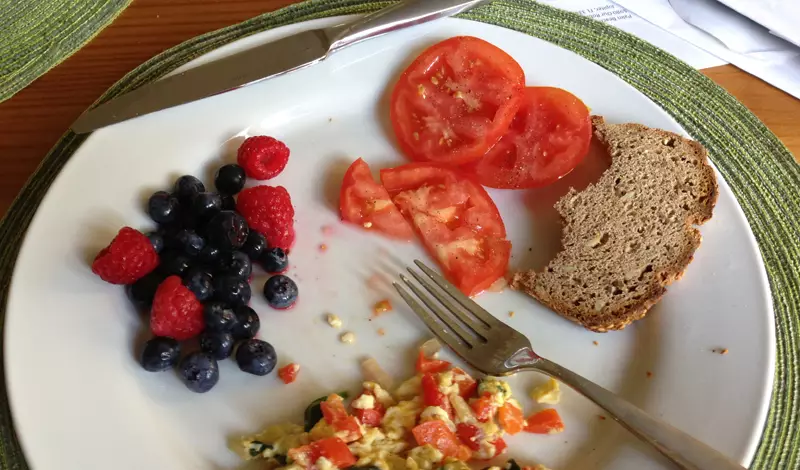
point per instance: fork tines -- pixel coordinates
(463, 326)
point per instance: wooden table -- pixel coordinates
(33, 120)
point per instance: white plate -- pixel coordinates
(80, 400)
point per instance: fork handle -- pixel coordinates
(682, 449)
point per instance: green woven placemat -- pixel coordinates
(760, 170)
(36, 35)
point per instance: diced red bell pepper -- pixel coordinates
(371, 417)
(335, 414)
(483, 407)
(510, 418)
(546, 421)
(332, 448)
(430, 366)
(439, 436)
(288, 373)
(499, 446)
(431, 395)
(468, 434)
(466, 384)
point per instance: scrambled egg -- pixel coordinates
(547, 393)
(499, 390)
(388, 442)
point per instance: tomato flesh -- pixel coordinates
(431, 395)
(439, 436)
(548, 138)
(430, 366)
(365, 203)
(332, 448)
(456, 220)
(546, 421)
(455, 100)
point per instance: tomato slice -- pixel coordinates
(466, 384)
(332, 448)
(546, 421)
(365, 203)
(430, 366)
(288, 373)
(456, 100)
(439, 436)
(548, 138)
(510, 418)
(456, 220)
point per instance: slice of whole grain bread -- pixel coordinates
(631, 233)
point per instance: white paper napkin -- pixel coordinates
(727, 35)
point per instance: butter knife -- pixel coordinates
(263, 62)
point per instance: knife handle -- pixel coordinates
(401, 15)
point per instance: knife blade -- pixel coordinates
(263, 62)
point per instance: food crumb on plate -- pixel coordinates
(381, 332)
(649, 374)
(601, 417)
(722, 351)
(382, 306)
(595, 343)
(348, 337)
(323, 248)
(326, 230)
(547, 393)
(333, 320)
(510, 313)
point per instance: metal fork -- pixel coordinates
(495, 348)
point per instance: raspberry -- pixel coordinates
(268, 209)
(128, 258)
(262, 157)
(176, 312)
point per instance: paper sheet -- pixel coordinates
(618, 16)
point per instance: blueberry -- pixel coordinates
(227, 230)
(229, 179)
(247, 323)
(160, 353)
(189, 242)
(157, 240)
(232, 290)
(199, 372)
(210, 256)
(237, 264)
(174, 263)
(228, 202)
(255, 245)
(256, 357)
(219, 317)
(280, 291)
(206, 205)
(163, 208)
(200, 283)
(142, 291)
(186, 188)
(217, 344)
(274, 260)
